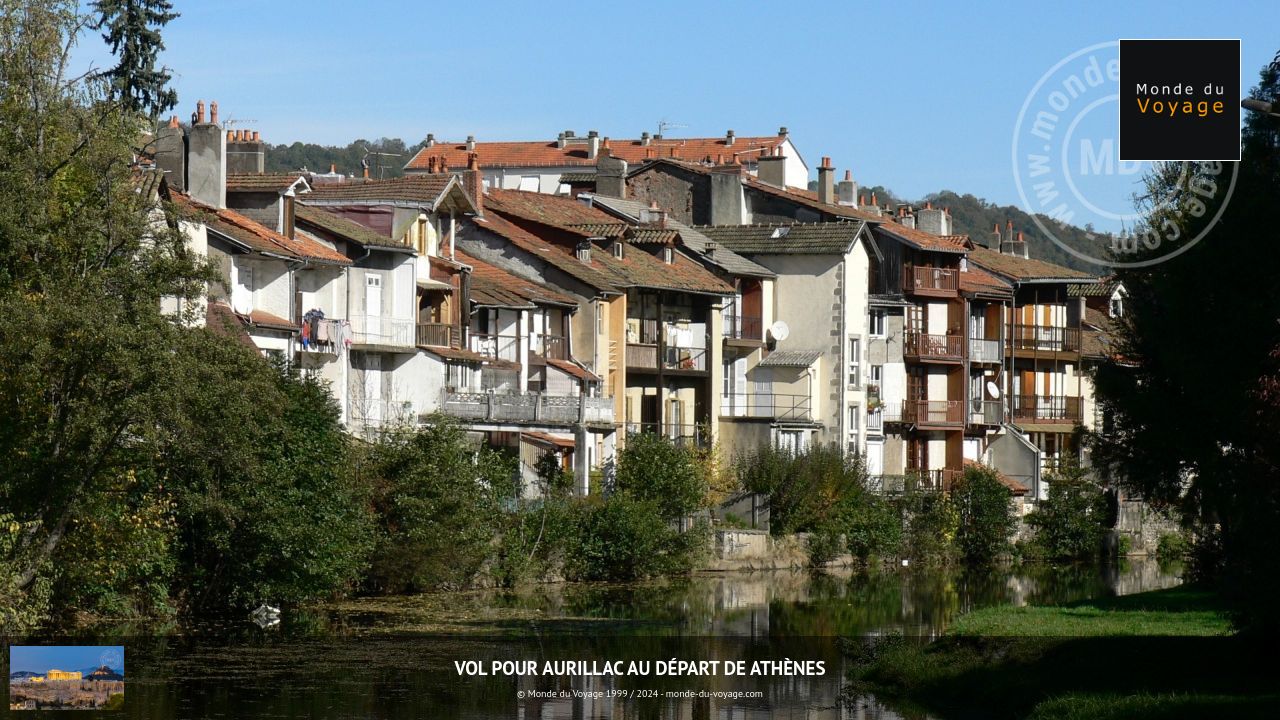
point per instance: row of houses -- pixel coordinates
(559, 296)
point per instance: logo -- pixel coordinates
(1069, 175)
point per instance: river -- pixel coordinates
(396, 658)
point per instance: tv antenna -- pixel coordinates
(664, 125)
(364, 161)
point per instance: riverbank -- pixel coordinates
(1162, 654)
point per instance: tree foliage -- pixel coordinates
(985, 519)
(1199, 340)
(654, 469)
(132, 31)
(1070, 523)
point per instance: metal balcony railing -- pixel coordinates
(378, 330)
(530, 408)
(984, 351)
(498, 347)
(684, 435)
(986, 412)
(1045, 408)
(744, 327)
(933, 412)
(766, 405)
(1052, 339)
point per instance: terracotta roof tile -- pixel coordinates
(557, 211)
(493, 286)
(222, 320)
(551, 253)
(548, 154)
(412, 189)
(923, 240)
(1014, 486)
(268, 320)
(977, 280)
(255, 236)
(573, 369)
(786, 239)
(1020, 268)
(262, 182)
(342, 227)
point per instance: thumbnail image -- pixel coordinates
(66, 677)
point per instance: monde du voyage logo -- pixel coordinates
(1180, 100)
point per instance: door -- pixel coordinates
(875, 458)
(373, 305)
(373, 388)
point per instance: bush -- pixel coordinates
(1070, 523)
(439, 506)
(653, 469)
(875, 528)
(930, 528)
(811, 491)
(985, 519)
(1172, 547)
(626, 538)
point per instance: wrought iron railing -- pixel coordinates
(766, 405)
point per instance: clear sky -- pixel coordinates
(42, 658)
(914, 96)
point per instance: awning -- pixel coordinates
(429, 284)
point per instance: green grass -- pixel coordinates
(1181, 611)
(1164, 654)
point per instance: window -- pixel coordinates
(668, 255)
(1117, 307)
(855, 421)
(529, 183)
(855, 360)
(877, 374)
(875, 323)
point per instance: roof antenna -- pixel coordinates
(364, 161)
(664, 125)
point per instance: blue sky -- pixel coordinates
(914, 96)
(42, 658)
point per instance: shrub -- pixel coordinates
(653, 469)
(810, 491)
(1172, 547)
(439, 505)
(1071, 523)
(626, 538)
(875, 528)
(930, 527)
(985, 519)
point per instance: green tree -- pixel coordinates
(653, 469)
(439, 503)
(133, 33)
(1198, 340)
(1070, 523)
(986, 520)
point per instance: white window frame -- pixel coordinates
(876, 323)
(855, 362)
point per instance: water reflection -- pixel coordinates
(345, 665)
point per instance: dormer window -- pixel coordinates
(617, 250)
(668, 255)
(584, 252)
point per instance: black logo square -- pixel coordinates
(1180, 100)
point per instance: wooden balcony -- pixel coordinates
(939, 414)
(934, 348)
(1054, 409)
(437, 335)
(1043, 341)
(678, 359)
(931, 281)
(547, 347)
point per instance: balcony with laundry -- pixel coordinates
(667, 333)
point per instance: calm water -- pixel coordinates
(386, 660)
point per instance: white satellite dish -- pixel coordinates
(779, 331)
(993, 390)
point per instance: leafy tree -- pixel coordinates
(1198, 340)
(652, 468)
(808, 491)
(133, 33)
(438, 503)
(1071, 523)
(986, 519)
(625, 538)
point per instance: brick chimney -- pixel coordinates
(826, 181)
(772, 168)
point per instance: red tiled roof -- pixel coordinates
(261, 182)
(573, 369)
(924, 240)
(977, 280)
(1020, 268)
(255, 236)
(552, 253)
(636, 268)
(456, 354)
(415, 188)
(494, 286)
(222, 320)
(557, 211)
(547, 154)
(268, 320)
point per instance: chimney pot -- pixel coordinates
(333, 168)
(471, 143)
(255, 136)
(200, 111)
(213, 112)
(848, 175)
(173, 121)
(231, 135)
(782, 131)
(728, 138)
(593, 133)
(431, 140)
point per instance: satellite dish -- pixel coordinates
(779, 331)
(993, 390)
